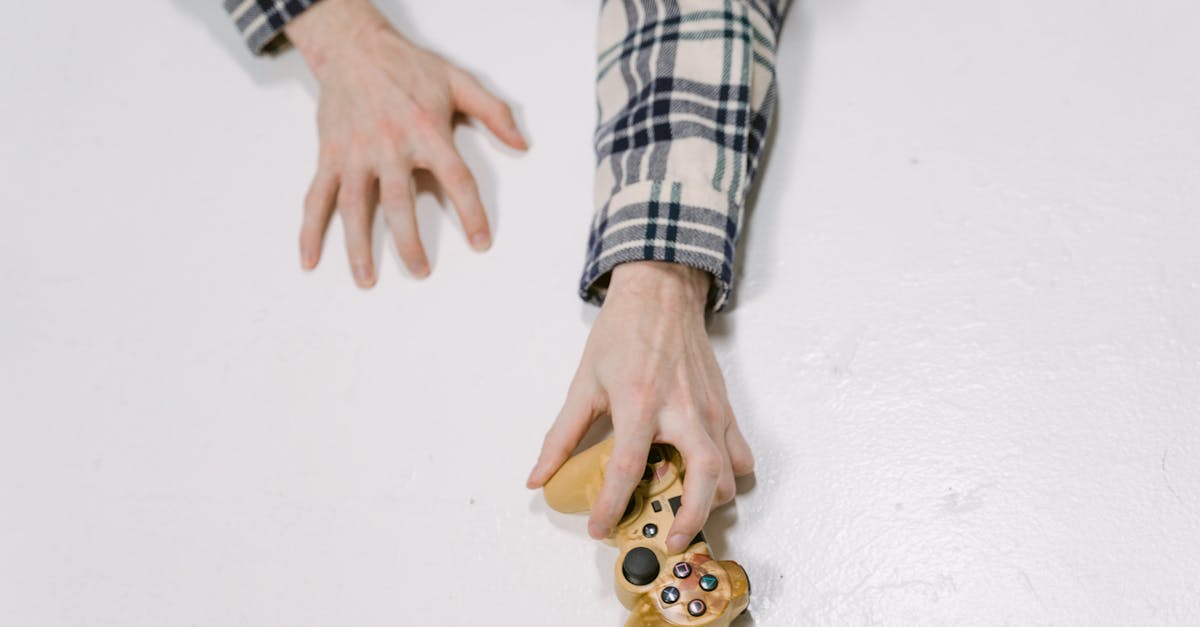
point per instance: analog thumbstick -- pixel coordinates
(640, 566)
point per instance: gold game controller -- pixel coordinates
(660, 588)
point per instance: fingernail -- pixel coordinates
(596, 531)
(420, 270)
(308, 261)
(532, 471)
(362, 274)
(677, 542)
(480, 241)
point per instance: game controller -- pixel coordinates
(660, 588)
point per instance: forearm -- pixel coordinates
(674, 288)
(685, 93)
(320, 32)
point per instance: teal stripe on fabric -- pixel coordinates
(719, 173)
(652, 219)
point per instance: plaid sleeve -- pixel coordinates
(685, 91)
(261, 21)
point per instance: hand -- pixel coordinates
(648, 363)
(385, 109)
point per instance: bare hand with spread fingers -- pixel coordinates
(386, 109)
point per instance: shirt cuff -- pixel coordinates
(261, 22)
(686, 222)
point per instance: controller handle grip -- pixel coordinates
(574, 487)
(644, 613)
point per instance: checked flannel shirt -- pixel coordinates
(685, 92)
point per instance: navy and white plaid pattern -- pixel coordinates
(685, 91)
(261, 21)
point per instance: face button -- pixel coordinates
(640, 566)
(670, 594)
(708, 583)
(650, 530)
(683, 570)
(696, 607)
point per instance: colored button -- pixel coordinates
(670, 594)
(683, 570)
(650, 530)
(696, 607)
(708, 582)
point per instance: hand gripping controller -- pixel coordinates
(660, 588)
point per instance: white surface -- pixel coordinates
(966, 345)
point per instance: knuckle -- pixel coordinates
(457, 175)
(604, 509)
(725, 491)
(628, 465)
(352, 203)
(393, 211)
(329, 154)
(707, 463)
(357, 144)
(421, 118)
(391, 127)
(743, 466)
(468, 79)
(639, 396)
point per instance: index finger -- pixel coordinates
(456, 178)
(703, 462)
(631, 446)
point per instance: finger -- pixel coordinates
(578, 413)
(726, 486)
(476, 101)
(741, 458)
(396, 199)
(703, 461)
(353, 203)
(318, 208)
(631, 446)
(456, 178)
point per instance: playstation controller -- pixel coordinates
(660, 588)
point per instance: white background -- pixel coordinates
(966, 345)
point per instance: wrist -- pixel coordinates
(662, 282)
(322, 29)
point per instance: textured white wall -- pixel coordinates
(966, 345)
